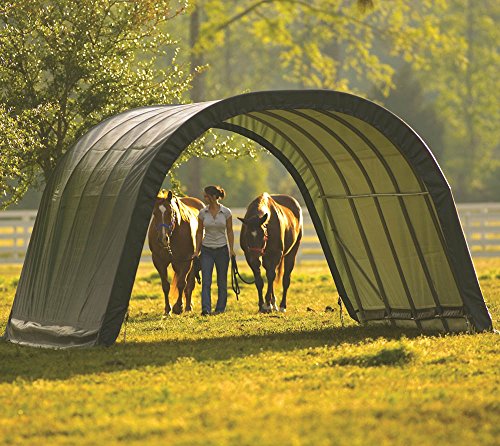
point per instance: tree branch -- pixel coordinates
(363, 4)
(240, 15)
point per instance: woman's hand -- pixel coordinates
(231, 252)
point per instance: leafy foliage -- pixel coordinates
(65, 66)
(18, 142)
(462, 72)
(416, 107)
(343, 45)
(449, 45)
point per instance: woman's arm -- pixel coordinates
(199, 237)
(230, 235)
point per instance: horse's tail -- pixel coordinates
(173, 286)
(279, 274)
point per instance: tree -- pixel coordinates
(345, 45)
(241, 184)
(308, 44)
(462, 73)
(211, 24)
(18, 143)
(65, 66)
(231, 47)
(450, 45)
(410, 102)
(244, 177)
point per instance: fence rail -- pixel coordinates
(481, 225)
(480, 221)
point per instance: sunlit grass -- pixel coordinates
(243, 378)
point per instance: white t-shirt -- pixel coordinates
(215, 228)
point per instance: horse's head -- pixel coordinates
(166, 218)
(256, 233)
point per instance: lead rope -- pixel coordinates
(234, 277)
(234, 280)
(341, 313)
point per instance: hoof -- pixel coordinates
(189, 309)
(282, 310)
(177, 309)
(166, 315)
(265, 309)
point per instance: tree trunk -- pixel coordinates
(471, 139)
(228, 58)
(197, 94)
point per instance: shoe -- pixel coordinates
(205, 313)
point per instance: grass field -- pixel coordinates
(247, 379)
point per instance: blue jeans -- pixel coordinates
(209, 257)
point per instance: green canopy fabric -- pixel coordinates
(381, 206)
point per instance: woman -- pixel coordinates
(212, 247)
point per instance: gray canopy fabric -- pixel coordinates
(381, 206)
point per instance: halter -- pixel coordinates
(170, 228)
(262, 250)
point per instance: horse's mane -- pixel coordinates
(185, 212)
(260, 206)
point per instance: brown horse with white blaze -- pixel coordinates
(270, 237)
(172, 238)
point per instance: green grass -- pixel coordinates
(242, 378)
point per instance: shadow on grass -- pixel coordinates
(388, 356)
(18, 362)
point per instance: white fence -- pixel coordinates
(481, 223)
(15, 232)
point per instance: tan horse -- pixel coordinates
(270, 236)
(171, 238)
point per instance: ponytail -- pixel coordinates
(215, 191)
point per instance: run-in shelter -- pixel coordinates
(381, 206)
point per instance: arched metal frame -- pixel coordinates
(381, 206)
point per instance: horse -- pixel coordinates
(172, 240)
(270, 236)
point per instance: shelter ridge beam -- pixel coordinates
(376, 195)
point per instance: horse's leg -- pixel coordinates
(161, 265)
(273, 301)
(272, 296)
(287, 273)
(188, 291)
(259, 282)
(271, 267)
(181, 272)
